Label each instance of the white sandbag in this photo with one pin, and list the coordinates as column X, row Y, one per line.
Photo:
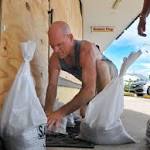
column 67, row 121
column 63, row 124
column 22, row 123
column 102, row 124
column 70, row 120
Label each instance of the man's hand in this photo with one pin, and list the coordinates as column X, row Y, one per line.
column 54, row 119
column 83, row 111
column 142, row 26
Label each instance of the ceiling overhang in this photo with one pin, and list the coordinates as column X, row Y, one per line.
column 103, row 21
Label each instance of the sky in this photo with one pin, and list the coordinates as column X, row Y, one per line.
column 128, row 42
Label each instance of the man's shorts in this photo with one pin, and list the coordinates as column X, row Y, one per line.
column 112, row 68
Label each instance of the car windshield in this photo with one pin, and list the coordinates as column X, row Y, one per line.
column 140, row 77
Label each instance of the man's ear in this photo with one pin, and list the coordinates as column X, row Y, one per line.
column 70, row 36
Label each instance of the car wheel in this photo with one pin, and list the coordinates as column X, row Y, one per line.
column 140, row 94
column 148, row 90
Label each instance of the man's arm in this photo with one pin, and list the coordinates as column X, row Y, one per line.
column 87, row 92
column 54, row 70
column 142, row 20
column 146, row 8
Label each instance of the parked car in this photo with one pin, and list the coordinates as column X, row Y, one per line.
column 140, row 87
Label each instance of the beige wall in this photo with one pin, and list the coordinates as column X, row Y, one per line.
column 69, row 11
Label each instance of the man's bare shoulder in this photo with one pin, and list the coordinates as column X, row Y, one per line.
column 87, row 52
column 87, row 48
column 53, row 61
column 53, row 57
column 86, row 45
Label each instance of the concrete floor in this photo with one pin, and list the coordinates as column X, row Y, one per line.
column 135, row 116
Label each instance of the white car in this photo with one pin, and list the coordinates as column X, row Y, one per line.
column 141, row 87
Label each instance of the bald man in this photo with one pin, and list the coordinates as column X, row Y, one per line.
column 83, row 60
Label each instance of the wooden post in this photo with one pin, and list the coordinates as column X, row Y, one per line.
column 24, row 20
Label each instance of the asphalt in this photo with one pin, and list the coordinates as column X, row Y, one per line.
column 135, row 116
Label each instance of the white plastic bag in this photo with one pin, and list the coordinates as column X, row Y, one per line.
column 63, row 124
column 102, row 124
column 71, row 120
column 22, row 118
column 67, row 121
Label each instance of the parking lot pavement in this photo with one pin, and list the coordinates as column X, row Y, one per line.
column 134, row 117
column 137, row 104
